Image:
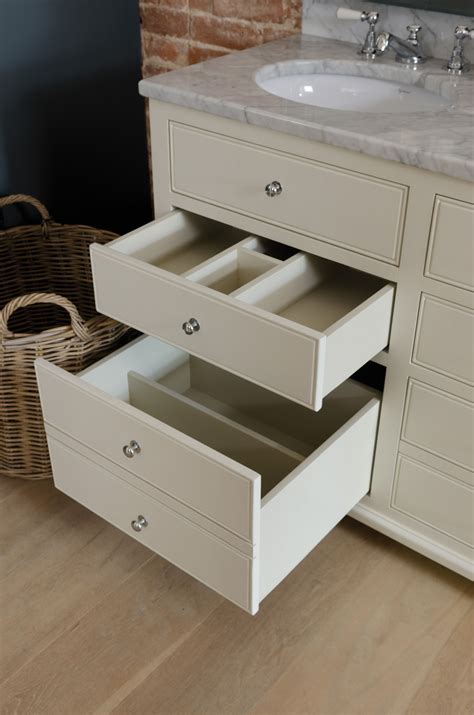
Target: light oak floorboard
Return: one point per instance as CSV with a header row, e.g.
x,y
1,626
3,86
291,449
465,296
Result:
x,y
232,659
374,651
449,685
116,643
10,486
362,625
57,568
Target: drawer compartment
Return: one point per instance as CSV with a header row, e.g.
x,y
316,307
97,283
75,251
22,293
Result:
x,y
444,339
440,423
371,220
451,245
435,499
293,323
266,477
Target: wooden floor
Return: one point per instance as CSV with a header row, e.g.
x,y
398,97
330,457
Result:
x,y
92,622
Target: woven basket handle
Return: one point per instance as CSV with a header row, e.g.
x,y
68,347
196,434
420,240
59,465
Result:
x,y
77,324
25,199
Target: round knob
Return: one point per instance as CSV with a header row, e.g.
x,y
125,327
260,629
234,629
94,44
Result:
x,y
139,523
191,326
274,188
131,449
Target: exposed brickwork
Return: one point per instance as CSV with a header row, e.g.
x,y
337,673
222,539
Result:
x,y
176,33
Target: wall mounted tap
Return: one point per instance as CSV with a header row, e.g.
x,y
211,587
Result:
x,y
456,63
369,48
408,51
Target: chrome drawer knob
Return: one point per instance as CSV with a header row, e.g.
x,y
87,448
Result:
x,y
273,189
131,449
191,326
139,523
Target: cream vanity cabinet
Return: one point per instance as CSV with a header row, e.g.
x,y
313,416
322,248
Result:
x,y
231,438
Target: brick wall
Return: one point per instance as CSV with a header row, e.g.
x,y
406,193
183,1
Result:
x,y
176,33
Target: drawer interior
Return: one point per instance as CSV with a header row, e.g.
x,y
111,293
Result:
x,y
257,428
234,269
312,291
178,244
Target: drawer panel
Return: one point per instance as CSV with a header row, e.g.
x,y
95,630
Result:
x,y
178,540
435,499
290,322
450,255
440,423
311,198
444,339
101,415
266,477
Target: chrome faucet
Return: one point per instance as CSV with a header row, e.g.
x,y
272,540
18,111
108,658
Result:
x,y
456,63
407,52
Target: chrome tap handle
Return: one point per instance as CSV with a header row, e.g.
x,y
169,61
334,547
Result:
x,y
413,31
369,49
456,63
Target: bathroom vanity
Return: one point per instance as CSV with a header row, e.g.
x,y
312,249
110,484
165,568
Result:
x,y
292,246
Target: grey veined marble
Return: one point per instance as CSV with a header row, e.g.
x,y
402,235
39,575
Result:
x,y
436,37
441,141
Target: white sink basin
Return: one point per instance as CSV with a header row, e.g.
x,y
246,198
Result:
x,y
353,93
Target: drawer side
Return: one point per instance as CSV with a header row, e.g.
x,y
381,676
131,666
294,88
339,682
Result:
x,y
304,508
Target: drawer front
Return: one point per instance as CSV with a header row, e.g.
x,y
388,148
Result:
x,y
444,339
187,546
435,499
233,174
440,423
205,480
450,255
234,339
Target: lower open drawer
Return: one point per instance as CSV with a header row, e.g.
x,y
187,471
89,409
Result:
x,y
235,483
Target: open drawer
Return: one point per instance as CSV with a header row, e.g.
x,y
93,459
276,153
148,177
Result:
x,y
291,322
235,483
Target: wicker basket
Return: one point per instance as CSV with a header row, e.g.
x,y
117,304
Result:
x,y
46,310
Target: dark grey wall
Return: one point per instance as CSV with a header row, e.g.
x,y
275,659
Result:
x,y
456,7
72,126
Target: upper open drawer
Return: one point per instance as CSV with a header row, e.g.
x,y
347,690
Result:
x,y
294,323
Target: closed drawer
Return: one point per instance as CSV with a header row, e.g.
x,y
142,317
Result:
x,y
363,213
291,322
444,339
435,499
264,477
450,255
440,423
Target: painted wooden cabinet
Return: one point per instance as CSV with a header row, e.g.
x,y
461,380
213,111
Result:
x,y
231,438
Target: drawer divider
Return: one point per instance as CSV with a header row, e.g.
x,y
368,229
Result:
x,y
261,454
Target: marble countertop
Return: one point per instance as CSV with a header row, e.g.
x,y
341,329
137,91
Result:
x,y
441,141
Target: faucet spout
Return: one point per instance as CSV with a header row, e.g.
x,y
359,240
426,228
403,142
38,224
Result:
x,y
405,51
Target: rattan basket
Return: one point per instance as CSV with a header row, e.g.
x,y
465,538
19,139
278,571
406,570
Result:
x,y
46,310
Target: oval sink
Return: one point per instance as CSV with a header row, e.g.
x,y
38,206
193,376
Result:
x,y
353,93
